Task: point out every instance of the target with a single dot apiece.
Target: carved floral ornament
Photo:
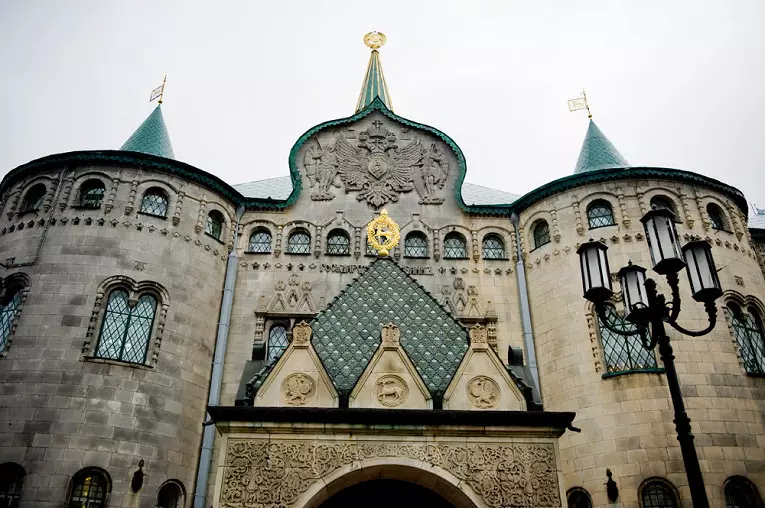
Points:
(377, 167)
(275, 473)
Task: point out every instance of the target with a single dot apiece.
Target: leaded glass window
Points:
(748, 329)
(371, 251)
(11, 481)
(741, 493)
(260, 241)
(277, 341)
(125, 331)
(716, 217)
(455, 246)
(600, 214)
(170, 495)
(214, 225)
(415, 245)
(154, 202)
(656, 494)
(89, 490)
(8, 311)
(578, 498)
(623, 354)
(299, 242)
(338, 243)
(663, 203)
(493, 247)
(541, 234)
(33, 199)
(92, 194)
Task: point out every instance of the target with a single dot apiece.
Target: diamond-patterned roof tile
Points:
(598, 152)
(151, 137)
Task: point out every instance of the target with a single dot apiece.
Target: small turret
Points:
(151, 137)
(598, 152)
(374, 81)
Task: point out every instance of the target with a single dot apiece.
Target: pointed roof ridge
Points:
(374, 84)
(151, 137)
(598, 152)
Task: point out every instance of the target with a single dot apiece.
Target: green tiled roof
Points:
(347, 333)
(151, 137)
(598, 152)
(374, 84)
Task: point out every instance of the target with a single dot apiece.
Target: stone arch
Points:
(421, 473)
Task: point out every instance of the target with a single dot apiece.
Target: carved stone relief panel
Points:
(391, 390)
(483, 392)
(297, 389)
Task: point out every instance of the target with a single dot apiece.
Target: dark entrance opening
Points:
(386, 494)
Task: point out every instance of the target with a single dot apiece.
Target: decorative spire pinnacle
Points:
(374, 84)
(598, 152)
(151, 137)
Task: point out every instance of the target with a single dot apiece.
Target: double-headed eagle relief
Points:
(378, 168)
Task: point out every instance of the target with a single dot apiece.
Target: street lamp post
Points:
(649, 311)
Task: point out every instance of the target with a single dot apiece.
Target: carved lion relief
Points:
(483, 392)
(297, 389)
(391, 390)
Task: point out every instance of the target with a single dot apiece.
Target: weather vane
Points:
(159, 92)
(375, 40)
(383, 233)
(580, 103)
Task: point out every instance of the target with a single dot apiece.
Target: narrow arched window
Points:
(9, 307)
(92, 193)
(717, 217)
(541, 232)
(338, 243)
(260, 241)
(748, 330)
(126, 327)
(11, 480)
(171, 495)
(416, 245)
(299, 242)
(658, 494)
(663, 203)
(741, 493)
(493, 247)
(214, 225)
(455, 246)
(90, 488)
(600, 214)
(623, 353)
(33, 199)
(277, 341)
(578, 498)
(154, 202)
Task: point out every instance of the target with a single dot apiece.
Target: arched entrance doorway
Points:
(386, 494)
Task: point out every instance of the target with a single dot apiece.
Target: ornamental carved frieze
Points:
(274, 474)
(375, 166)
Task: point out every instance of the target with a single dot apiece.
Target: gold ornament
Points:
(375, 40)
(383, 233)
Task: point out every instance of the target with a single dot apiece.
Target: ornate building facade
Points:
(169, 339)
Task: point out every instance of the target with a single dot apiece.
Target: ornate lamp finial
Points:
(375, 40)
(383, 233)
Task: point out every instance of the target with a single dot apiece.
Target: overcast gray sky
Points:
(675, 84)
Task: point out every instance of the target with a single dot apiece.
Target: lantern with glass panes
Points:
(649, 311)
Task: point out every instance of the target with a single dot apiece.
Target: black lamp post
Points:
(645, 307)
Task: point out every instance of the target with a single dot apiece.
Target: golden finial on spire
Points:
(375, 40)
(159, 92)
(383, 233)
(580, 103)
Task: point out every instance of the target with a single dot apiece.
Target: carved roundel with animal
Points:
(483, 392)
(298, 389)
(391, 391)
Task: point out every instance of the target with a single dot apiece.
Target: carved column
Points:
(476, 249)
(514, 254)
(317, 242)
(200, 225)
(179, 206)
(641, 201)
(555, 227)
(436, 244)
(686, 209)
(705, 222)
(278, 241)
(14, 200)
(66, 191)
(626, 221)
(357, 243)
(577, 216)
(112, 195)
(131, 198)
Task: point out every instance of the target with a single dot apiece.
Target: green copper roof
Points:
(598, 152)
(347, 333)
(151, 137)
(374, 84)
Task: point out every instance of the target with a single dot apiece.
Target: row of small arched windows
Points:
(339, 244)
(659, 493)
(89, 488)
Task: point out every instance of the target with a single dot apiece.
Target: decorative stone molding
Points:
(478, 335)
(109, 205)
(641, 201)
(391, 390)
(200, 225)
(578, 216)
(390, 334)
(66, 191)
(298, 389)
(301, 334)
(436, 244)
(626, 221)
(555, 226)
(131, 197)
(483, 392)
(683, 196)
(476, 246)
(178, 206)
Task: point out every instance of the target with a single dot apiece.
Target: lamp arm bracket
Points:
(711, 309)
(673, 310)
(600, 309)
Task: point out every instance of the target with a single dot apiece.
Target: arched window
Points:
(600, 214)
(578, 498)
(92, 193)
(717, 217)
(741, 493)
(299, 242)
(277, 341)
(416, 245)
(455, 246)
(338, 243)
(260, 241)
(154, 202)
(541, 232)
(126, 327)
(171, 495)
(11, 480)
(663, 203)
(623, 354)
(90, 488)
(33, 199)
(214, 225)
(658, 493)
(9, 306)
(493, 247)
(748, 330)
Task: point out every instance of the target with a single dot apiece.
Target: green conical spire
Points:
(151, 137)
(374, 81)
(598, 152)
